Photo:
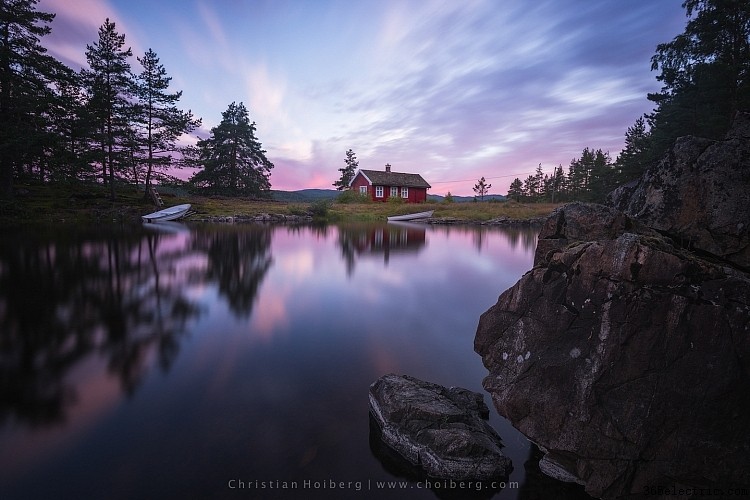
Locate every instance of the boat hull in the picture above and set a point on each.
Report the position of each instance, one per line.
(406, 217)
(167, 214)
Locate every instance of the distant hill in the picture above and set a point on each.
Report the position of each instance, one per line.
(310, 195)
(304, 195)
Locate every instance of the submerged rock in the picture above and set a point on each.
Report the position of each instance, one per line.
(442, 431)
(624, 357)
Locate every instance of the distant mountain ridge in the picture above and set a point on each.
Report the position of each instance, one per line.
(310, 195)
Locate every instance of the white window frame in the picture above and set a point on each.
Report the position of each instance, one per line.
(394, 191)
(404, 192)
(362, 189)
(378, 191)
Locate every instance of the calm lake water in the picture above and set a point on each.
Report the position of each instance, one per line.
(137, 363)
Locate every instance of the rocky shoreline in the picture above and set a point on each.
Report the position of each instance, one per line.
(304, 219)
(624, 354)
(497, 222)
(248, 219)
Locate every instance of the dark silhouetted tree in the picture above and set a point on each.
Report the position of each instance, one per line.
(160, 122)
(110, 86)
(27, 74)
(557, 185)
(635, 157)
(482, 188)
(232, 158)
(515, 192)
(347, 172)
(705, 73)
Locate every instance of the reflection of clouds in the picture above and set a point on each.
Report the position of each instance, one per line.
(270, 314)
(297, 264)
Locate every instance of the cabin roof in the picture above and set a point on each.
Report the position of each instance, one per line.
(381, 178)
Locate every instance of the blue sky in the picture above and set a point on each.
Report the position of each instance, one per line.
(453, 90)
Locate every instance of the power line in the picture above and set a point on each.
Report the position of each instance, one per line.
(486, 178)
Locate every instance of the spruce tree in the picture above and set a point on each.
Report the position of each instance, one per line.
(635, 157)
(232, 158)
(348, 171)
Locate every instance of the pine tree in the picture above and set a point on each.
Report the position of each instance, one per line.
(635, 157)
(705, 73)
(71, 126)
(160, 122)
(600, 177)
(529, 187)
(515, 192)
(576, 180)
(557, 185)
(26, 77)
(482, 188)
(232, 158)
(539, 183)
(110, 84)
(348, 171)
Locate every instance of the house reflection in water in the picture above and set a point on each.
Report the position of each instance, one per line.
(392, 239)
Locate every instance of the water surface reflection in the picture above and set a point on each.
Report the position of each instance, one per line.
(141, 363)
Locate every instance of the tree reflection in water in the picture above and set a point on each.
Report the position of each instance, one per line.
(106, 294)
(238, 259)
(358, 240)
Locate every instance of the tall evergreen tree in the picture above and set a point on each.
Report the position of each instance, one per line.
(705, 73)
(348, 171)
(529, 187)
(635, 157)
(26, 75)
(482, 188)
(539, 182)
(71, 126)
(515, 192)
(557, 185)
(600, 177)
(232, 158)
(161, 123)
(110, 86)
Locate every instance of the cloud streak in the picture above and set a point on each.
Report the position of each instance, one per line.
(452, 90)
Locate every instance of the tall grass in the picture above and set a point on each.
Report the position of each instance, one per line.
(92, 203)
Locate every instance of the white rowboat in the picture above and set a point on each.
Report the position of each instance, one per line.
(420, 215)
(171, 213)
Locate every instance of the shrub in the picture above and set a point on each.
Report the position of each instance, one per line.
(350, 196)
(319, 209)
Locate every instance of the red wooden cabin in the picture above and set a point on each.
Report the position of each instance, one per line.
(380, 185)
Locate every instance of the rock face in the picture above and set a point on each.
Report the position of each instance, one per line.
(625, 357)
(699, 194)
(441, 430)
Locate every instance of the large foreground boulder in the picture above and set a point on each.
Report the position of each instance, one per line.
(699, 194)
(442, 431)
(624, 357)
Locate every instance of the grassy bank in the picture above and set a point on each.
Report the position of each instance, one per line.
(91, 203)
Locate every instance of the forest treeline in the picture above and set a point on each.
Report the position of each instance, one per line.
(705, 76)
(117, 121)
(114, 121)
